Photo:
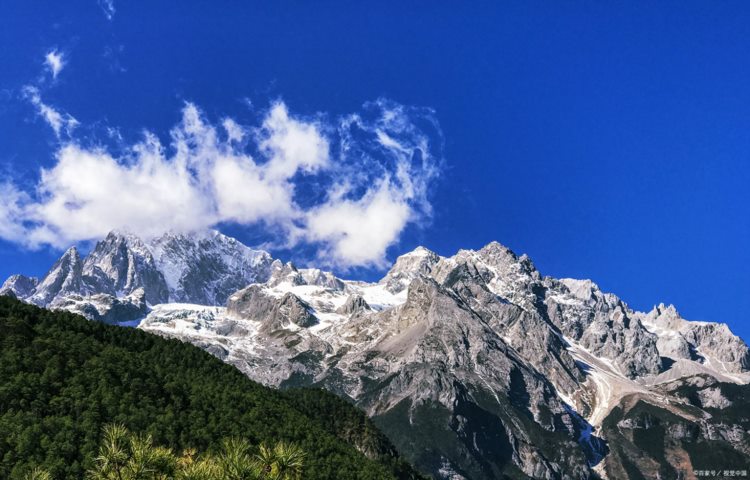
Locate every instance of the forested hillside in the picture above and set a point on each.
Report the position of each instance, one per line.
(63, 378)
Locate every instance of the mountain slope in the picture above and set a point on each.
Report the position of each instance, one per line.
(707, 432)
(475, 365)
(62, 378)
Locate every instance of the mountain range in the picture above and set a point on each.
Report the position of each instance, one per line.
(476, 365)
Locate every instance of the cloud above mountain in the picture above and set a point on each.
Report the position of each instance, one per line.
(348, 186)
(61, 123)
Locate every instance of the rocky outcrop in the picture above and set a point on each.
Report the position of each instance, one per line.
(711, 343)
(121, 264)
(354, 304)
(64, 278)
(603, 324)
(274, 313)
(205, 268)
(409, 266)
(290, 309)
(616, 335)
(19, 286)
(288, 273)
(251, 303)
(104, 307)
(675, 346)
(202, 269)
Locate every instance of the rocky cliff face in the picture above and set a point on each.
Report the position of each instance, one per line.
(476, 365)
(119, 265)
(206, 268)
(19, 286)
(64, 278)
(123, 274)
(709, 343)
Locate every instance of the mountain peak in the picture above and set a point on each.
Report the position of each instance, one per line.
(507, 267)
(20, 285)
(408, 266)
(581, 289)
(206, 267)
(496, 253)
(497, 248)
(119, 233)
(420, 251)
(670, 310)
(63, 278)
(202, 267)
(122, 263)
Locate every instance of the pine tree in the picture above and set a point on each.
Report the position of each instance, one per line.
(126, 456)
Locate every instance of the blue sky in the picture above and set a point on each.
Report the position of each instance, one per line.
(608, 140)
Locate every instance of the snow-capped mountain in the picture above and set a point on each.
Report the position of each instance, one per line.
(206, 267)
(476, 365)
(123, 270)
(470, 362)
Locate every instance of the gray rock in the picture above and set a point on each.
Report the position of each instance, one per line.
(20, 286)
(617, 336)
(104, 307)
(418, 262)
(705, 340)
(354, 304)
(252, 303)
(64, 278)
(674, 346)
(718, 341)
(713, 398)
(206, 268)
(120, 264)
(290, 274)
(603, 324)
(290, 309)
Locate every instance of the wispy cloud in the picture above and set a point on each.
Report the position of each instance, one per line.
(108, 7)
(391, 154)
(55, 61)
(347, 186)
(12, 212)
(62, 123)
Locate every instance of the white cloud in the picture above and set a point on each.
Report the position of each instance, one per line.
(87, 193)
(369, 173)
(61, 123)
(55, 62)
(12, 212)
(358, 232)
(235, 132)
(108, 7)
(388, 164)
(291, 145)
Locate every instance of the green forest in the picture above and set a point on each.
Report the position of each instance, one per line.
(63, 379)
